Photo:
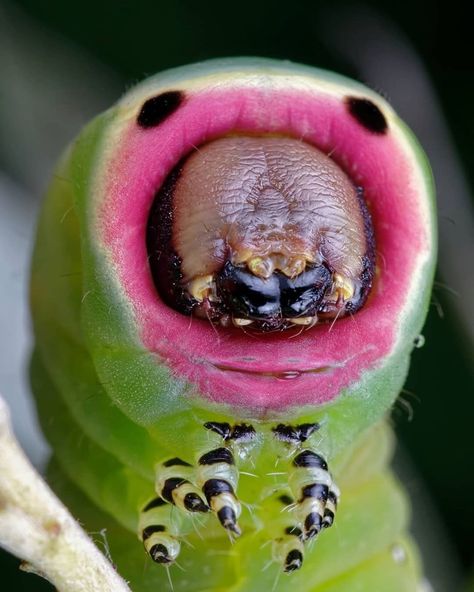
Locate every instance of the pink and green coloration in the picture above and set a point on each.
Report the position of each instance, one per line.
(131, 381)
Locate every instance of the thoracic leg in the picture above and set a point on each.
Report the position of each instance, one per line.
(158, 528)
(309, 479)
(288, 544)
(312, 486)
(174, 484)
(212, 485)
(218, 477)
(217, 474)
(159, 531)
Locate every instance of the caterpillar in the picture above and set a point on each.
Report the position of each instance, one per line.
(231, 269)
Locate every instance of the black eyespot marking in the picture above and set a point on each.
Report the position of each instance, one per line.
(155, 110)
(155, 503)
(175, 462)
(149, 530)
(367, 114)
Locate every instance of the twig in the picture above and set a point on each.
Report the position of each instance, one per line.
(35, 526)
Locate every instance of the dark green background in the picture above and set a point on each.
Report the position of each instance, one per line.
(140, 38)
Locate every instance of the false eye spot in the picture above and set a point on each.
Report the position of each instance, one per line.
(367, 114)
(155, 110)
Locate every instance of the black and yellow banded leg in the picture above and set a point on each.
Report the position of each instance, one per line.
(174, 484)
(288, 547)
(331, 506)
(312, 486)
(309, 479)
(288, 550)
(158, 531)
(217, 474)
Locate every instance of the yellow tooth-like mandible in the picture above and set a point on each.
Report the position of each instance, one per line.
(294, 266)
(343, 287)
(306, 321)
(241, 322)
(201, 287)
(261, 266)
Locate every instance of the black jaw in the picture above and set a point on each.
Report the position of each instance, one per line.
(271, 300)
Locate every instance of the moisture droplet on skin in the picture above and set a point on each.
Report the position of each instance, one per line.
(262, 230)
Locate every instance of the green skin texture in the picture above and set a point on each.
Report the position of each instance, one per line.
(111, 412)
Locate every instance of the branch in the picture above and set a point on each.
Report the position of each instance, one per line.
(35, 526)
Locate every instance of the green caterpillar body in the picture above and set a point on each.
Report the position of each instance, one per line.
(122, 414)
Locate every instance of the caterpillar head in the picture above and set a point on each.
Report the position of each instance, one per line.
(256, 237)
(265, 231)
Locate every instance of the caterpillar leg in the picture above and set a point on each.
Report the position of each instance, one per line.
(310, 481)
(331, 506)
(217, 474)
(158, 532)
(173, 484)
(158, 529)
(288, 547)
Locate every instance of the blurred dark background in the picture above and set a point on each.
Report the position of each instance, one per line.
(61, 62)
